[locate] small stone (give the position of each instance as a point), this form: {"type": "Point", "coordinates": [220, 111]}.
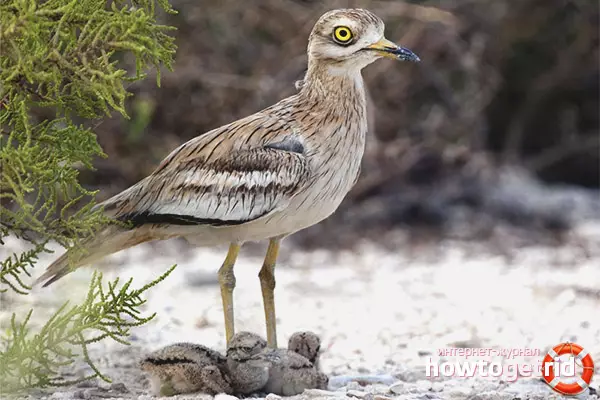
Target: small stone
{"type": "Point", "coordinates": [423, 385]}
{"type": "Point", "coordinates": [223, 396]}
{"type": "Point", "coordinates": [398, 387]}
{"type": "Point", "coordinates": [428, 396]}
{"type": "Point", "coordinates": [437, 386]}
{"type": "Point", "coordinates": [460, 391]}
{"type": "Point", "coordinates": [381, 397]}
{"type": "Point", "coordinates": [356, 393]}
{"type": "Point", "coordinates": [322, 393]}
{"type": "Point", "coordinates": [272, 396]}
{"type": "Point", "coordinates": [119, 387]}
{"type": "Point", "coordinates": [79, 394]}
{"type": "Point", "coordinates": [353, 385]}
{"type": "Point", "coordinates": [88, 383]}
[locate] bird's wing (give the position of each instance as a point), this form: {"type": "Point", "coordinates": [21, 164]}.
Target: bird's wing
{"type": "Point", "coordinates": [229, 176]}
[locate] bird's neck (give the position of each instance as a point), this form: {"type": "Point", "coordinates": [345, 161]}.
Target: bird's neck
{"type": "Point", "coordinates": [328, 82]}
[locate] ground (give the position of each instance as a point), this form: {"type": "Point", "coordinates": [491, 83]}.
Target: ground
{"type": "Point", "coordinates": [381, 314]}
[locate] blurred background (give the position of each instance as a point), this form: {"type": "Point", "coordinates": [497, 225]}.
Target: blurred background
{"type": "Point", "coordinates": [495, 134]}
{"type": "Point", "coordinates": [486, 151]}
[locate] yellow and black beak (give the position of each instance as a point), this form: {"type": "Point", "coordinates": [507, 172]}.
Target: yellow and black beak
{"type": "Point", "coordinates": [392, 50]}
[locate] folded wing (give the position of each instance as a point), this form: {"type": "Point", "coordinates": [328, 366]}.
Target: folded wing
{"type": "Point", "coordinates": [233, 188]}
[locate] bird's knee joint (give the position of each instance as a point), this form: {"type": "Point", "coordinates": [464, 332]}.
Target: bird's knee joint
{"type": "Point", "coordinates": [267, 279]}
{"type": "Point", "coordinates": [227, 279]}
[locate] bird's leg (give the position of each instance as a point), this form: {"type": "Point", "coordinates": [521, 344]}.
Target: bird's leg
{"type": "Point", "coordinates": [267, 284]}
{"type": "Point", "coordinates": [227, 283]}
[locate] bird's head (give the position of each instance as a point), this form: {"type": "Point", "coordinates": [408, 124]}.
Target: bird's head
{"type": "Point", "coordinates": [352, 39]}
{"type": "Point", "coordinates": [244, 345]}
{"type": "Point", "coordinates": [306, 344]}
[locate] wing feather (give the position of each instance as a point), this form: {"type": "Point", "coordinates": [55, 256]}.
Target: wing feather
{"type": "Point", "coordinates": [219, 184]}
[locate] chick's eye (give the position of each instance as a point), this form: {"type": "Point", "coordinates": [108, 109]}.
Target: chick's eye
{"type": "Point", "coordinates": [342, 35]}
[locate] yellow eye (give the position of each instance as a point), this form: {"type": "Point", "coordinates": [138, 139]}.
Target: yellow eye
{"type": "Point", "coordinates": [342, 35]}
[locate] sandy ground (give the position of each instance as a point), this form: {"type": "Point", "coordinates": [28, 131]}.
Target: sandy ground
{"type": "Point", "coordinates": [381, 314]}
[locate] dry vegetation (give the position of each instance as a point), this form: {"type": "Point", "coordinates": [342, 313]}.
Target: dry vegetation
{"type": "Point", "coordinates": [502, 83]}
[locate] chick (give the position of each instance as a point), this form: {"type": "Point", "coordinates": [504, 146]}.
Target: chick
{"type": "Point", "coordinates": [187, 368]}
{"type": "Point", "coordinates": [254, 368]}
{"type": "Point", "coordinates": [290, 373]}
{"type": "Point", "coordinates": [247, 375]}
{"type": "Point", "coordinates": [306, 344]}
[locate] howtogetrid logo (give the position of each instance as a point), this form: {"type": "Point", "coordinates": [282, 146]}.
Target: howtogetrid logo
{"type": "Point", "coordinates": [558, 378]}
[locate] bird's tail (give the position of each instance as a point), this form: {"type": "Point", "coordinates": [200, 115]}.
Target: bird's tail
{"type": "Point", "coordinates": [108, 241]}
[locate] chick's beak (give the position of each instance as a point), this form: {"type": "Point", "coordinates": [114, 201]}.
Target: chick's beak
{"type": "Point", "coordinates": [392, 50]}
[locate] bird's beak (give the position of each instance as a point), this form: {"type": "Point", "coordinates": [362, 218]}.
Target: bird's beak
{"type": "Point", "coordinates": [391, 50]}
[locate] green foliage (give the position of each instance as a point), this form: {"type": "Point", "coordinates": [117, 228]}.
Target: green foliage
{"type": "Point", "coordinates": [62, 60]}
{"type": "Point", "coordinates": [34, 360]}
{"type": "Point", "coordinates": [64, 64]}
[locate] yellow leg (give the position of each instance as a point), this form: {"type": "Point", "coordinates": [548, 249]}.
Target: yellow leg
{"type": "Point", "coordinates": [267, 284]}
{"type": "Point", "coordinates": [227, 283]}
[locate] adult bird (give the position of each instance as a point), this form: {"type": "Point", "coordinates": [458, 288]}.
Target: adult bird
{"type": "Point", "coordinates": [265, 176]}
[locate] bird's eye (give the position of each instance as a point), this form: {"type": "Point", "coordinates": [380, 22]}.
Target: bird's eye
{"type": "Point", "coordinates": [342, 35]}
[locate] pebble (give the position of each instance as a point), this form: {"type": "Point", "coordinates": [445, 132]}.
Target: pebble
{"type": "Point", "coordinates": [223, 396]}
{"type": "Point", "coordinates": [423, 385]}
{"type": "Point", "coordinates": [353, 386]}
{"type": "Point", "coordinates": [398, 387]}
{"type": "Point", "coordinates": [356, 393]}
{"type": "Point", "coordinates": [437, 386]}
{"type": "Point", "coordinates": [272, 396]}
{"type": "Point", "coordinates": [81, 394]}
{"type": "Point", "coordinates": [460, 391]}
{"type": "Point", "coordinates": [119, 387]}
{"type": "Point", "coordinates": [322, 393]}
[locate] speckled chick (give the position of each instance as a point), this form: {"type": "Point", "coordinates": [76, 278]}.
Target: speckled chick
{"type": "Point", "coordinates": [307, 344]}
{"type": "Point", "coordinates": [247, 375]}
{"type": "Point", "coordinates": [283, 372]}
{"type": "Point", "coordinates": [187, 368]}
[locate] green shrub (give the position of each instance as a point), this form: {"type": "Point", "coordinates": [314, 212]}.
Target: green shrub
{"type": "Point", "coordinates": [64, 66]}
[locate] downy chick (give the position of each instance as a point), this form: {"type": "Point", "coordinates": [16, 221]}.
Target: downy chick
{"type": "Point", "coordinates": [187, 368]}
{"type": "Point", "coordinates": [280, 371]}
{"type": "Point", "coordinates": [247, 376]}
{"type": "Point", "coordinates": [308, 345]}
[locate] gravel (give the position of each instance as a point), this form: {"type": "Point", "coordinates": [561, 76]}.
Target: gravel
{"type": "Point", "coordinates": [381, 314]}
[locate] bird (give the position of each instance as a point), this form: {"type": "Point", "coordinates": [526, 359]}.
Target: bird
{"type": "Point", "coordinates": [254, 367]}
{"type": "Point", "coordinates": [262, 177]}
{"type": "Point", "coordinates": [246, 378]}
{"type": "Point", "coordinates": [187, 368]}
{"type": "Point", "coordinates": [307, 344]}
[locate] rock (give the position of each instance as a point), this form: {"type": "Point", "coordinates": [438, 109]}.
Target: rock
{"type": "Point", "coordinates": [460, 391]}
{"type": "Point", "coordinates": [423, 385]}
{"type": "Point", "coordinates": [356, 393]}
{"type": "Point", "coordinates": [272, 396]}
{"type": "Point", "coordinates": [119, 387]}
{"type": "Point", "coordinates": [437, 386]}
{"type": "Point", "coordinates": [223, 396]}
{"type": "Point", "coordinates": [398, 388]}
{"type": "Point", "coordinates": [428, 396]}
{"type": "Point", "coordinates": [322, 393]}
{"type": "Point", "coordinates": [353, 385]}
{"type": "Point", "coordinates": [80, 394]}
{"type": "Point", "coordinates": [381, 397]}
